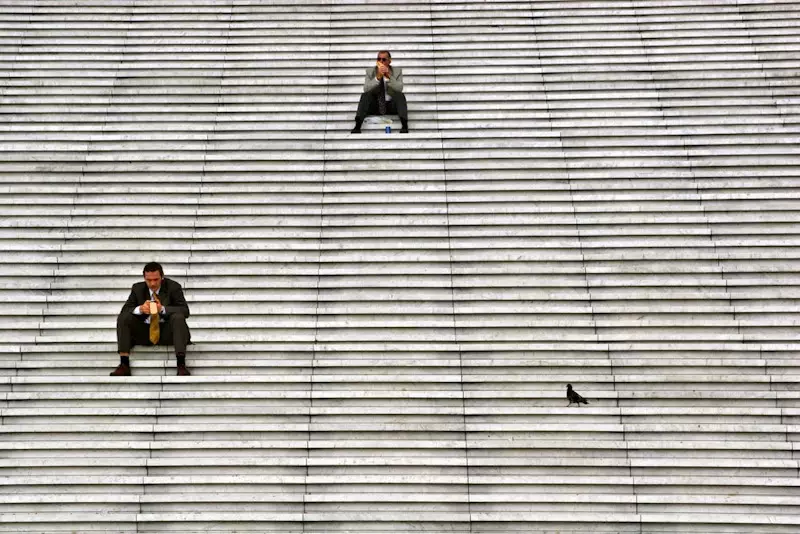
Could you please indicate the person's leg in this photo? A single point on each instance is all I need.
(368, 105)
(400, 106)
(175, 332)
(125, 333)
(180, 332)
(129, 334)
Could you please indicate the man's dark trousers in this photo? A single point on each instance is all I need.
(132, 330)
(368, 105)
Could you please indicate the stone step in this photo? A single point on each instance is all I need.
(598, 193)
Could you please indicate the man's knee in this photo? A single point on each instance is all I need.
(400, 103)
(177, 318)
(364, 100)
(368, 97)
(125, 318)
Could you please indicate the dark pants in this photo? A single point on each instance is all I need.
(368, 105)
(131, 331)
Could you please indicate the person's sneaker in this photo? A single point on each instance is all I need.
(121, 370)
(357, 129)
(404, 129)
(183, 371)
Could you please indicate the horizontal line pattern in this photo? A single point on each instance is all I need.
(602, 193)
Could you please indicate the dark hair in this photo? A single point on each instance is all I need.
(152, 267)
(385, 52)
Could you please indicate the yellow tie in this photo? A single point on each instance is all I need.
(155, 328)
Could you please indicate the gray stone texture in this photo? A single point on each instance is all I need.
(597, 193)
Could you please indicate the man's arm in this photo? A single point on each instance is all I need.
(395, 84)
(177, 302)
(131, 304)
(370, 81)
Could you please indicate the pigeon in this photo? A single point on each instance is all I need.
(574, 397)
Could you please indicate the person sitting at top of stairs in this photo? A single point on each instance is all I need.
(383, 93)
(154, 314)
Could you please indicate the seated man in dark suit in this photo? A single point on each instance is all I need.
(155, 314)
(383, 93)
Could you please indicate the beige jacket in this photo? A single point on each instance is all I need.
(395, 85)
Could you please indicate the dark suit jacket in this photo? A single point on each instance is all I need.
(170, 295)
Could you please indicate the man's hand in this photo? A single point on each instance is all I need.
(159, 307)
(148, 307)
(383, 70)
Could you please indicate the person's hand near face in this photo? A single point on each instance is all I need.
(383, 66)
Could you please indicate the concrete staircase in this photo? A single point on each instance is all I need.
(603, 193)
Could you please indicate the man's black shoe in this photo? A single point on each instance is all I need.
(357, 129)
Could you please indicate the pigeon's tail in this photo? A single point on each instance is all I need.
(578, 399)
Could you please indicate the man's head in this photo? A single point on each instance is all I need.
(153, 275)
(385, 57)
